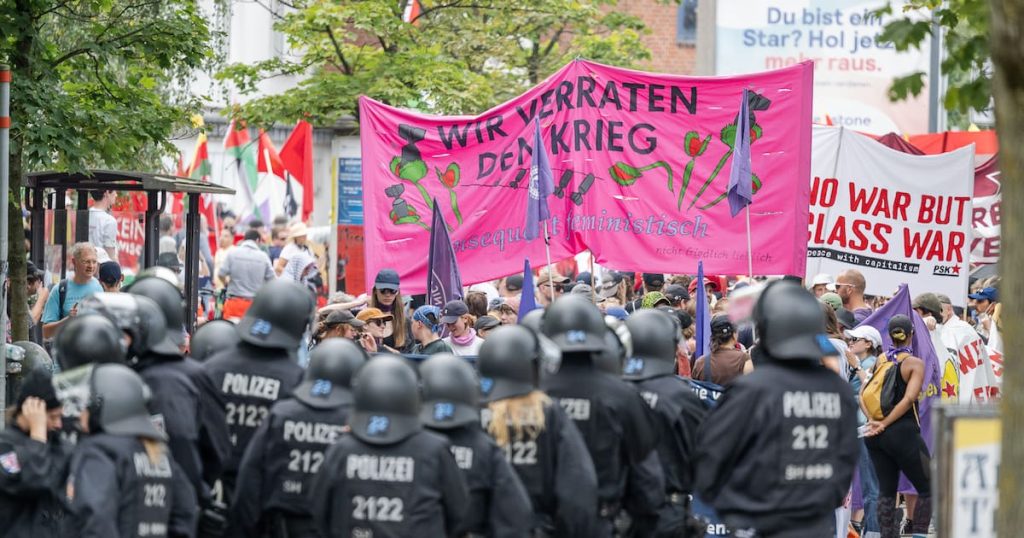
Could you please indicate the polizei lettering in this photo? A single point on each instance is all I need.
(252, 386)
(311, 432)
(380, 468)
(145, 467)
(804, 404)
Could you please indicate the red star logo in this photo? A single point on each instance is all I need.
(949, 390)
(956, 269)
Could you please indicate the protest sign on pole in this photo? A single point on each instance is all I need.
(897, 218)
(640, 163)
(988, 200)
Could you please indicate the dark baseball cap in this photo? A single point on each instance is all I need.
(721, 325)
(453, 310)
(514, 282)
(486, 322)
(929, 302)
(654, 280)
(110, 273)
(340, 316)
(900, 326)
(387, 279)
(676, 293)
(169, 260)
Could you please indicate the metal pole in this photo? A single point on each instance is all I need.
(934, 77)
(547, 250)
(5, 185)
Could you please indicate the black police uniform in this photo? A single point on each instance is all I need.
(777, 454)
(115, 490)
(272, 493)
(250, 379)
(214, 443)
(31, 486)
(410, 488)
(498, 503)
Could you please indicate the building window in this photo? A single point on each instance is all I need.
(686, 22)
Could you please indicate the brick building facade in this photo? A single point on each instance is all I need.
(672, 33)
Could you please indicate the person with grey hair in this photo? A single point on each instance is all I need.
(63, 300)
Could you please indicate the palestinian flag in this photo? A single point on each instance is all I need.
(241, 173)
(200, 169)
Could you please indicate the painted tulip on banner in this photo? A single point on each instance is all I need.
(627, 148)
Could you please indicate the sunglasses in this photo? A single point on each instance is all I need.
(556, 287)
(380, 322)
(387, 292)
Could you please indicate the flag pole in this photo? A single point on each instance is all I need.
(750, 248)
(547, 252)
(593, 288)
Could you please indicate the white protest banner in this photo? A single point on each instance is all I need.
(968, 375)
(895, 217)
(988, 199)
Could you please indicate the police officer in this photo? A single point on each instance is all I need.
(776, 456)
(652, 368)
(259, 371)
(211, 337)
(388, 478)
(276, 473)
(617, 425)
(33, 462)
(123, 482)
(498, 503)
(544, 447)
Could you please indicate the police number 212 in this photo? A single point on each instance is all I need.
(812, 437)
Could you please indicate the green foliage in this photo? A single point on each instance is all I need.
(457, 57)
(97, 81)
(965, 30)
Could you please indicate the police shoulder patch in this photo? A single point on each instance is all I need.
(9, 462)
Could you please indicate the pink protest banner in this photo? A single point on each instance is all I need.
(640, 163)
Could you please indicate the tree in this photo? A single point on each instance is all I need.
(965, 39)
(1007, 40)
(95, 83)
(456, 56)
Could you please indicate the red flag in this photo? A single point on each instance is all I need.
(266, 151)
(297, 158)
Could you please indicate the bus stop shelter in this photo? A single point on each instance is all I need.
(47, 192)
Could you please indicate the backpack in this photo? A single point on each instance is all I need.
(62, 296)
(879, 393)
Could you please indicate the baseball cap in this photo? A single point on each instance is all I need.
(676, 293)
(653, 299)
(486, 322)
(865, 332)
(944, 299)
(707, 282)
(826, 279)
(514, 282)
(617, 312)
(453, 310)
(342, 316)
(582, 289)
(721, 325)
(929, 302)
(387, 279)
(832, 299)
(987, 294)
(372, 313)
(846, 318)
(169, 260)
(584, 277)
(900, 327)
(546, 274)
(110, 272)
(654, 280)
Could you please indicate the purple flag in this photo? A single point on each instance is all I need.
(445, 283)
(541, 185)
(703, 325)
(921, 348)
(740, 179)
(528, 301)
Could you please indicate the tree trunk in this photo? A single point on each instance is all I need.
(17, 298)
(1007, 40)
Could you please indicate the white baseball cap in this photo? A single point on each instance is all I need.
(866, 332)
(826, 279)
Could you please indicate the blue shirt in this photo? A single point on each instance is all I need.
(76, 292)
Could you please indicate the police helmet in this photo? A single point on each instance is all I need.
(211, 337)
(574, 324)
(120, 308)
(533, 319)
(387, 401)
(655, 337)
(168, 297)
(327, 381)
(451, 392)
(279, 315)
(618, 346)
(790, 323)
(161, 272)
(154, 329)
(35, 356)
(508, 363)
(87, 339)
(117, 403)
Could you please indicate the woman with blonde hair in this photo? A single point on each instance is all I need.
(543, 445)
(123, 482)
(462, 336)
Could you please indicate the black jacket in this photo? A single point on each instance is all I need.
(679, 413)
(250, 379)
(115, 491)
(32, 478)
(558, 474)
(409, 488)
(498, 503)
(777, 454)
(214, 443)
(277, 470)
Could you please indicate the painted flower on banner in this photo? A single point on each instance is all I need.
(694, 146)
